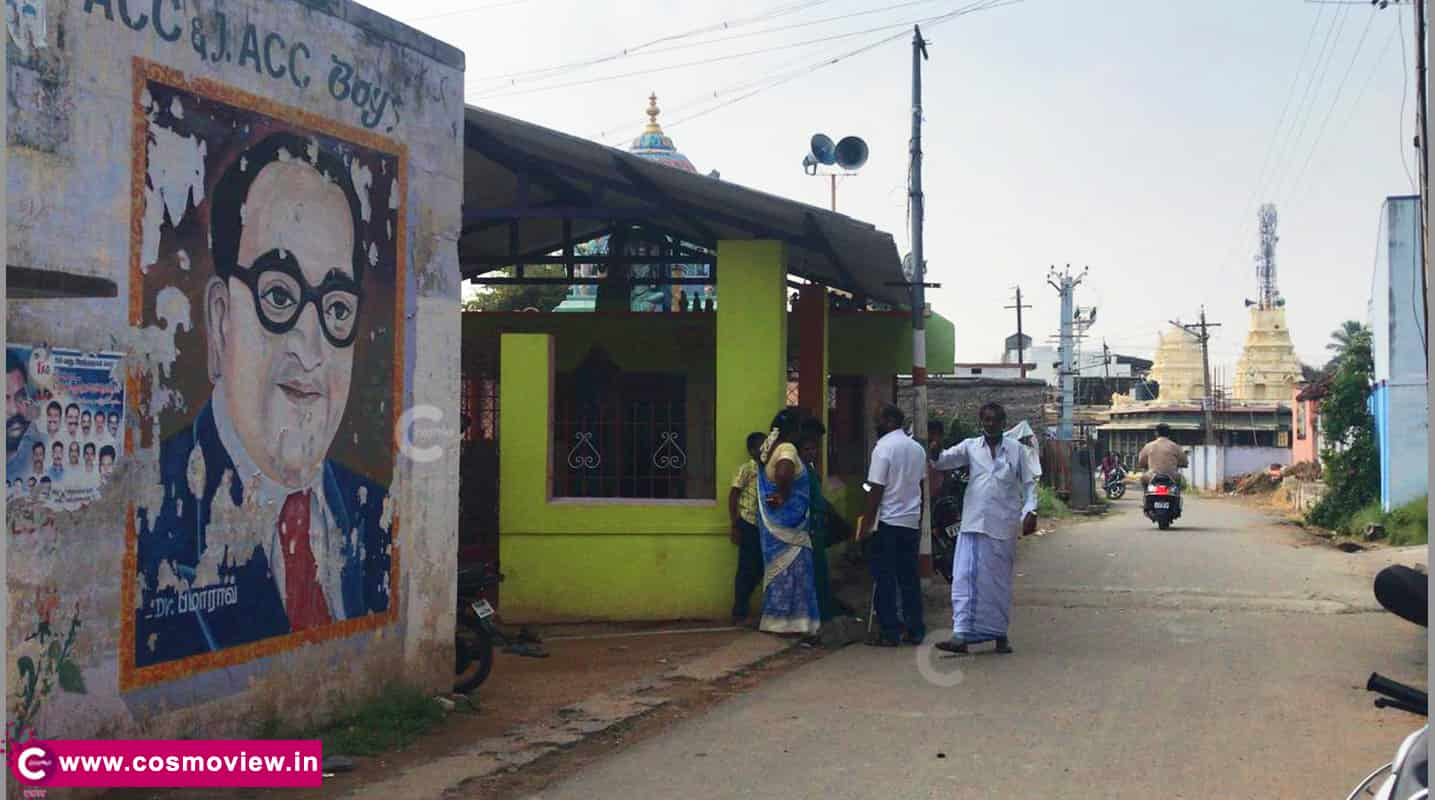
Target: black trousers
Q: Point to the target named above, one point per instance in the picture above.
(894, 572)
(750, 567)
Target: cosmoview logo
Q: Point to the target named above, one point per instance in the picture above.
(936, 668)
(35, 764)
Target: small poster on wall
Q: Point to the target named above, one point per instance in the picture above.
(64, 423)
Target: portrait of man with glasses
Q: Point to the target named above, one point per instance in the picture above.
(261, 532)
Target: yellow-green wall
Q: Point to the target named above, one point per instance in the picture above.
(866, 343)
(635, 559)
(662, 343)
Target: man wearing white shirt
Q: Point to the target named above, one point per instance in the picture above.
(894, 502)
(1000, 506)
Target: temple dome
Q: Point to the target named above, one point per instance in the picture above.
(655, 145)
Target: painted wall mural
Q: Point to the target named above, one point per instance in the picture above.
(64, 426)
(269, 244)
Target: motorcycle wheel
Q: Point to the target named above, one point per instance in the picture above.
(473, 656)
(1116, 491)
(1163, 524)
(942, 561)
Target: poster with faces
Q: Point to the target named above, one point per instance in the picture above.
(64, 424)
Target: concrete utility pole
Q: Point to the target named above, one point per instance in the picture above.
(1202, 333)
(918, 278)
(1067, 289)
(1020, 343)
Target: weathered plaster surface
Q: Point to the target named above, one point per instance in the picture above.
(71, 144)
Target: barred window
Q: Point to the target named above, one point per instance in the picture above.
(629, 435)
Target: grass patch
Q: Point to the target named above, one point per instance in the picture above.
(390, 721)
(1407, 525)
(1048, 505)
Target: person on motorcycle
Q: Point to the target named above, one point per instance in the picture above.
(1161, 457)
(1108, 466)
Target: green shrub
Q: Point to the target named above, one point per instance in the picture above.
(1370, 514)
(1049, 505)
(1407, 525)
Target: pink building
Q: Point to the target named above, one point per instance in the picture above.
(1305, 422)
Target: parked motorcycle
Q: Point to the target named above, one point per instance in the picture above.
(1115, 485)
(1402, 591)
(1163, 500)
(475, 630)
(947, 522)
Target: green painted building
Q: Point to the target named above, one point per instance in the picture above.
(601, 445)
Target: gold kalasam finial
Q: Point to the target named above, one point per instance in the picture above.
(653, 114)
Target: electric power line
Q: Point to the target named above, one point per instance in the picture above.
(1312, 93)
(792, 71)
(844, 56)
(558, 69)
(1404, 92)
(546, 72)
(978, 6)
(1339, 89)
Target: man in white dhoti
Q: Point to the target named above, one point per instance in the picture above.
(1000, 506)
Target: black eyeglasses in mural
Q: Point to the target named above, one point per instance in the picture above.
(281, 293)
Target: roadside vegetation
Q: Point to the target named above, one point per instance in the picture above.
(395, 717)
(1351, 459)
(1407, 525)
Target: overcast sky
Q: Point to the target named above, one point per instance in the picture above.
(1129, 136)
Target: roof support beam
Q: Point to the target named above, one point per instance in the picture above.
(656, 192)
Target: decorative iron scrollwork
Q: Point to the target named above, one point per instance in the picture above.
(669, 455)
(580, 460)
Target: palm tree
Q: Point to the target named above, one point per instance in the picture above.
(1341, 341)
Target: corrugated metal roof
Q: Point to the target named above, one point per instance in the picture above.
(823, 246)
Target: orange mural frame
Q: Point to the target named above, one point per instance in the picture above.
(133, 677)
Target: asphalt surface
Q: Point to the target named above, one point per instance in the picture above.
(1225, 658)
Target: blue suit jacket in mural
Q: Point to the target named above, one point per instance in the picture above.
(246, 605)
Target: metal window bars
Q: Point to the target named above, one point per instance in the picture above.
(633, 448)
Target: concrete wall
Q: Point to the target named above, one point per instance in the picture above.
(140, 152)
(1212, 466)
(1402, 429)
(1305, 431)
(1400, 401)
(1046, 359)
(964, 397)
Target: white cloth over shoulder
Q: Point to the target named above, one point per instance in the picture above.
(1033, 450)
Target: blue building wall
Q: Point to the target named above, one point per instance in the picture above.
(1400, 400)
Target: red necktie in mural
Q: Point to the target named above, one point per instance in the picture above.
(303, 595)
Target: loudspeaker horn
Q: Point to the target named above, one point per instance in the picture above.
(823, 152)
(851, 152)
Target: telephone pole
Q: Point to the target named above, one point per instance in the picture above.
(919, 265)
(1020, 342)
(918, 279)
(1201, 331)
(1065, 284)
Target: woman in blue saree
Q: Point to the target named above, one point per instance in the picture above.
(789, 588)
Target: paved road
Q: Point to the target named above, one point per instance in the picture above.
(1223, 659)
